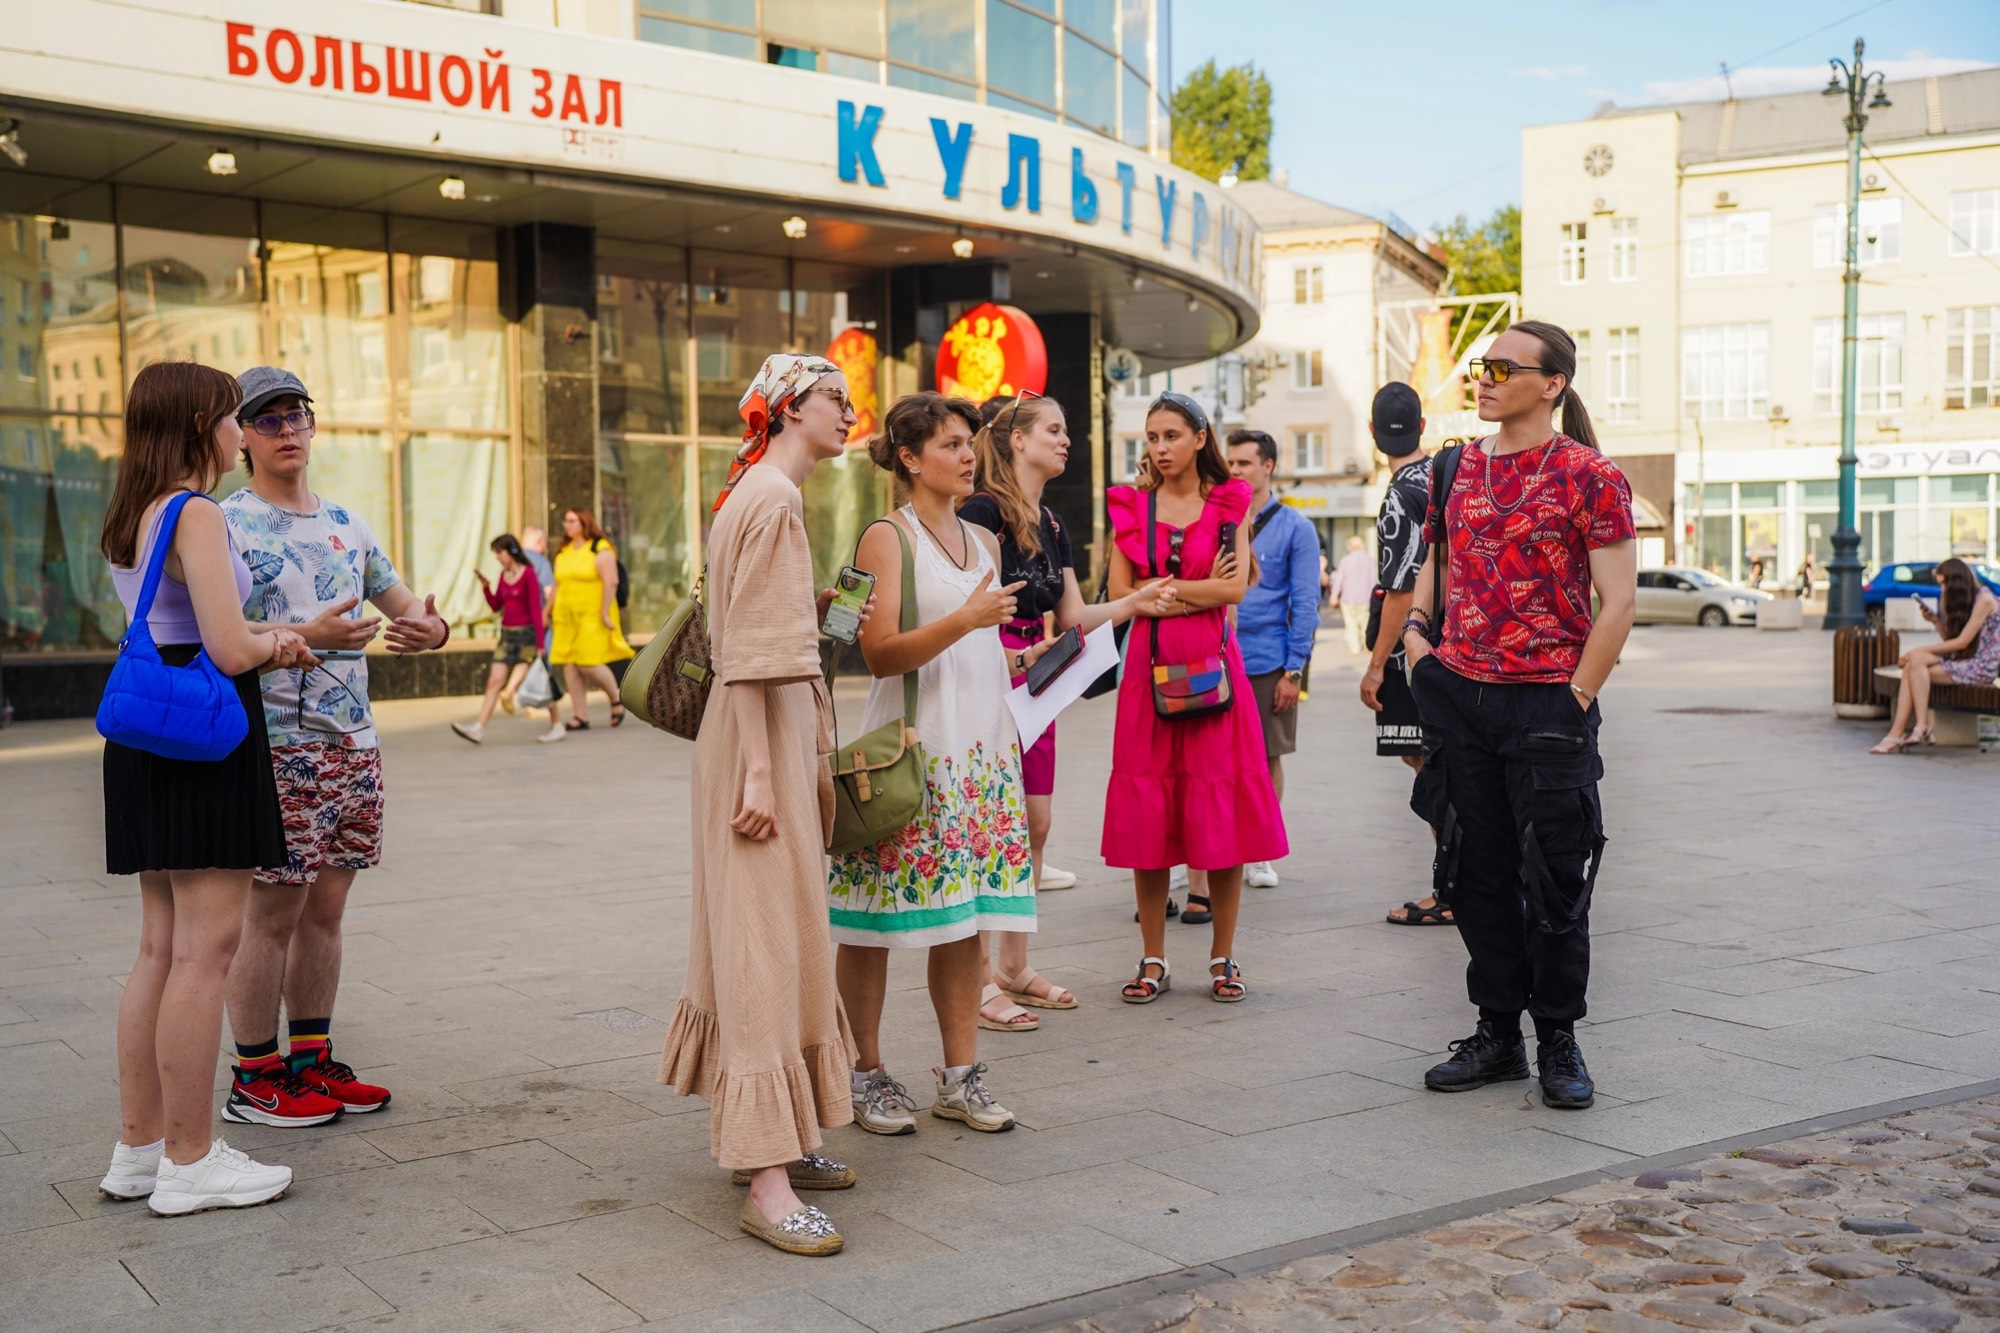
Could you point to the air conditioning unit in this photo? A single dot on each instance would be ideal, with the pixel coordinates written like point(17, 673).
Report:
point(1604, 204)
point(1778, 413)
point(1726, 199)
point(1890, 421)
point(1871, 183)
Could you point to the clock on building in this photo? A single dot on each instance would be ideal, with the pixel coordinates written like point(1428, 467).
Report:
point(1597, 159)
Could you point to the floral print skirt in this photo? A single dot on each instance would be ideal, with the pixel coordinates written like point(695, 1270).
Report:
point(962, 867)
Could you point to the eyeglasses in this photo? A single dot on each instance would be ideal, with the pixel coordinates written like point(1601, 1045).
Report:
point(840, 399)
point(1501, 370)
point(1015, 411)
point(274, 423)
point(311, 719)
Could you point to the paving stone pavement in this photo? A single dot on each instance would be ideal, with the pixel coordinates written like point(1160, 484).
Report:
point(1891, 1225)
point(1786, 927)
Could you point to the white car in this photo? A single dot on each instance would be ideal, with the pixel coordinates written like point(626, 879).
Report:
point(1682, 596)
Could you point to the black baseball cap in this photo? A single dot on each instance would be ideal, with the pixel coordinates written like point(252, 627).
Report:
point(1398, 417)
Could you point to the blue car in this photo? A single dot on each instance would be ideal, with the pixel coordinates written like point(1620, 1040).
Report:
point(1916, 578)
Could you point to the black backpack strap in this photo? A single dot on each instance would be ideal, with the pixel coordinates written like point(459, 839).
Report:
point(1444, 475)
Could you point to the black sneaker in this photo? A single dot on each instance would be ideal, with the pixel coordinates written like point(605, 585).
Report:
point(1566, 1083)
point(1482, 1058)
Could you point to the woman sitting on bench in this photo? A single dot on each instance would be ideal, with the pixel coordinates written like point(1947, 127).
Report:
point(1968, 653)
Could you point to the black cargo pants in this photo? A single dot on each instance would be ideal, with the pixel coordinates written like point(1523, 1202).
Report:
point(1510, 782)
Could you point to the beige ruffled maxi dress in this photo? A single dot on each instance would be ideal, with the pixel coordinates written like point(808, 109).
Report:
point(759, 1031)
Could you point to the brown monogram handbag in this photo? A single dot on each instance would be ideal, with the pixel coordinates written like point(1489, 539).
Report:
point(667, 683)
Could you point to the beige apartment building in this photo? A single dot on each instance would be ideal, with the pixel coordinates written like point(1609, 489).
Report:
point(1696, 252)
point(1310, 374)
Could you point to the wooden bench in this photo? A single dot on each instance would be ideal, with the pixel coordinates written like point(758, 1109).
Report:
point(1957, 708)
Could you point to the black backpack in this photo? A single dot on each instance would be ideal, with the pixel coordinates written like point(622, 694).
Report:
point(624, 592)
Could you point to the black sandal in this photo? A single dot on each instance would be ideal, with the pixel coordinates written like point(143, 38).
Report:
point(1413, 915)
point(617, 715)
point(1197, 916)
point(576, 724)
point(1173, 909)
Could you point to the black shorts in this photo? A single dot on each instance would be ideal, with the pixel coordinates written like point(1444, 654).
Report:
point(517, 646)
point(1397, 731)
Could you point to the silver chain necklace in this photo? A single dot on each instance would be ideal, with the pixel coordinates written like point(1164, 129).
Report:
point(1486, 478)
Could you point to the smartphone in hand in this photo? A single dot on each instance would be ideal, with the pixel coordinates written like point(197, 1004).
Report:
point(1051, 664)
point(851, 590)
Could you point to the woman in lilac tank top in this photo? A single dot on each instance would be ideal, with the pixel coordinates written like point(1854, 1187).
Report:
point(192, 832)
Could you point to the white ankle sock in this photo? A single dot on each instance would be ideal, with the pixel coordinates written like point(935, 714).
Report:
point(157, 1145)
point(955, 1073)
point(856, 1081)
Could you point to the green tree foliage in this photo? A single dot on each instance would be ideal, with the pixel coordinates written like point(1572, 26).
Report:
point(1222, 122)
point(1484, 258)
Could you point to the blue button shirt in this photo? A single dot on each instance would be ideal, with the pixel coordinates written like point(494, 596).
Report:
point(1280, 614)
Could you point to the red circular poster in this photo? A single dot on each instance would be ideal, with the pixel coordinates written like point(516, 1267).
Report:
point(854, 351)
point(992, 351)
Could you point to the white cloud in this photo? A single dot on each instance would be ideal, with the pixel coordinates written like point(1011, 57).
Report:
point(1765, 80)
point(1550, 73)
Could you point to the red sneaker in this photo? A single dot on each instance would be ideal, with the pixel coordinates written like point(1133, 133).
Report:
point(276, 1096)
point(336, 1080)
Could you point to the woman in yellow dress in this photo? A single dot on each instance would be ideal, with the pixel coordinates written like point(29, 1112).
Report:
point(587, 636)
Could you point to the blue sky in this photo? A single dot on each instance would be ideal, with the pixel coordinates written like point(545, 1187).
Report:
point(1417, 108)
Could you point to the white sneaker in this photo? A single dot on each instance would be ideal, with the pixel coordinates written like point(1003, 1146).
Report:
point(1177, 881)
point(132, 1172)
point(1261, 875)
point(969, 1101)
point(472, 731)
point(883, 1105)
point(554, 733)
point(1056, 879)
point(225, 1178)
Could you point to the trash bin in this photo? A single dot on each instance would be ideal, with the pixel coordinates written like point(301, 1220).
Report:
point(1857, 651)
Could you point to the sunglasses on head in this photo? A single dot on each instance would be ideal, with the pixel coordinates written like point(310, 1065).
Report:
point(1174, 540)
point(1014, 410)
point(1501, 369)
point(274, 423)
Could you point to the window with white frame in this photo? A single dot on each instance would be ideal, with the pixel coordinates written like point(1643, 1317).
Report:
point(1135, 387)
point(1308, 451)
point(1878, 364)
point(1624, 249)
point(1581, 380)
point(1572, 262)
point(1975, 222)
point(1972, 357)
point(1880, 242)
point(1131, 448)
point(1719, 244)
point(1308, 369)
point(1620, 399)
point(1308, 284)
point(1726, 372)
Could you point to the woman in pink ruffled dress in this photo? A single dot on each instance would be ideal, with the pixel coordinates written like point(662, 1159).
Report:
point(1192, 790)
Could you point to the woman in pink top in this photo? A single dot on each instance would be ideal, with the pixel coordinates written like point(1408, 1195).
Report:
point(518, 599)
point(1193, 791)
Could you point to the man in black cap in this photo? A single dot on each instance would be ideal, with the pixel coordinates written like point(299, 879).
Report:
point(1397, 423)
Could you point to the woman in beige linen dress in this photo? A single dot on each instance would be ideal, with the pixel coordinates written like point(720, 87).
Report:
point(759, 1031)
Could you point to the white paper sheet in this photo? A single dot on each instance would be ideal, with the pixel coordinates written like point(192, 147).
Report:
point(1034, 713)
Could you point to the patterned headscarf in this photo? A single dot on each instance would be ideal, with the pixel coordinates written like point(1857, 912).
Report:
point(780, 379)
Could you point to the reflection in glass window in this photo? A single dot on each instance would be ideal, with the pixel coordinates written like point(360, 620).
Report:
point(1015, 104)
point(934, 35)
point(55, 481)
point(334, 336)
point(643, 486)
point(1090, 85)
point(1095, 19)
point(721, 42)
point(182, 291)
point(457, 341)
point(1133, 127)
point(458, 489)
point(640, 384)
point(901, 77)
point(1020, 53)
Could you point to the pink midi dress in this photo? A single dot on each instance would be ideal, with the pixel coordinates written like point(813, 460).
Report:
point(1194, 792)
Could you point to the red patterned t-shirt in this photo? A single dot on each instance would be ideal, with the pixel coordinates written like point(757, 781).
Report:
point(1522, 527)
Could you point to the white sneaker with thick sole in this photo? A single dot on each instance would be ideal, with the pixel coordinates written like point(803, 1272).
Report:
point(1177, 880)
point(552, 735)
point(471, 731)
point(1053, 878)
point(883, 1105)
point(133, 1171)
point(225, 1178)
point(969, 1101)
point(1261, 875)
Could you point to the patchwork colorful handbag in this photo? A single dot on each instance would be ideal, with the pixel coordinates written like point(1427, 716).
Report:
point(1183, 690)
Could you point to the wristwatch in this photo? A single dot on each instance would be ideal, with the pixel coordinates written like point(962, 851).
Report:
point(1296, 677)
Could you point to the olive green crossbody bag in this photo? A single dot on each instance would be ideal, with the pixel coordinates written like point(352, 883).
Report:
point(879, 779)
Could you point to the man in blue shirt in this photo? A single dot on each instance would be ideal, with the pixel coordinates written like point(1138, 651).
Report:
point(1279, 616)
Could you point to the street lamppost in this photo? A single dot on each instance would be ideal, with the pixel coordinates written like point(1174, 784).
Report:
point(1843, 595)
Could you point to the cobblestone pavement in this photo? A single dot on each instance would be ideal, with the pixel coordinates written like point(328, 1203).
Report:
point(1892, 1225)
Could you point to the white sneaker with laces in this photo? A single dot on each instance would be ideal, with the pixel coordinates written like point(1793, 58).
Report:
point(471, 731)
point(883, 1105)
point(969, 1101)
point(133, 1171)
point(1053, 878)
point(225, 1178)
point(553, 734)
point(1177, 880)
point(1261, 875)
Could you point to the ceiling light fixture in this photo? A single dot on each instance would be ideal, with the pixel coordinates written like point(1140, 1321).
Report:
point(795, 228)
point(1194, 306)
point(452, 187)
point(222, 162)
point(1138, 283)
point(10, 141)
point(962, 247)
point(58, 229)
point(906, 249)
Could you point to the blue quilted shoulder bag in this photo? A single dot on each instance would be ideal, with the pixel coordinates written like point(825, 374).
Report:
point(191, 712)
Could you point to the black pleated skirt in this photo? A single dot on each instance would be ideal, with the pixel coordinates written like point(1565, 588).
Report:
point(178, 814)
